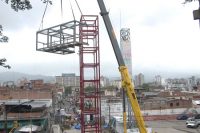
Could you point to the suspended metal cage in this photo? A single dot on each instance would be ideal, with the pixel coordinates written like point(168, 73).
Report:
point(59, 39)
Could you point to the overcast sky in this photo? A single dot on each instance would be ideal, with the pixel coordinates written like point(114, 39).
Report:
point(164, 36)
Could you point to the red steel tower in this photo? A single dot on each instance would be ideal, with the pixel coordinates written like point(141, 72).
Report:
point(90, 103)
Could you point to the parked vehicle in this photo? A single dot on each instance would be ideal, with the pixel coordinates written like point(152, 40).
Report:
point(197, 118)
point(194, 118)
point(29, 128)
point(182, 117)
point(136, 130)
point(189, 119)
point(192, 124)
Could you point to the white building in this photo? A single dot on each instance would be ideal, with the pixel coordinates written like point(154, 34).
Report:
point(158, 80)
point(176, 84)
point(139, 79)
point(68, 79)
point(104, 81)
point(117, 83)
point(110, 93)
point(192, 83)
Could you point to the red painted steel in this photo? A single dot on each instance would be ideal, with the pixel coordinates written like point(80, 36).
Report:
point(90, 74)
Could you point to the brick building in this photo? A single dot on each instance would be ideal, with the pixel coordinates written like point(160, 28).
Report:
point(165, 103)
point(179, 103)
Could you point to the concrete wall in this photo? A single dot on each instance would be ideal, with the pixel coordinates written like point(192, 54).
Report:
point(26, 94)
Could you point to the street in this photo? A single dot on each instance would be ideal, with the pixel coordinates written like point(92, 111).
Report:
point(161, 126)
point(172, 126)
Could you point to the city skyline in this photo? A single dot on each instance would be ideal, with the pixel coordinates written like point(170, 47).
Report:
point(16, 76)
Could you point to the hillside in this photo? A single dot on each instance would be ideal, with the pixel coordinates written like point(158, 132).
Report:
point(15, 76)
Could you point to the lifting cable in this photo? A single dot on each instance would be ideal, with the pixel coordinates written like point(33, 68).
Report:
point(78, 7)
point(72, 9)
point(41, 24)
point(61, 7)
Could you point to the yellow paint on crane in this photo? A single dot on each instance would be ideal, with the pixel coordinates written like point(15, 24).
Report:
point(124, 120)
point(127, 84)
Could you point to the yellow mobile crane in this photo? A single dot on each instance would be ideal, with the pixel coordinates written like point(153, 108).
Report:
point(127, 84)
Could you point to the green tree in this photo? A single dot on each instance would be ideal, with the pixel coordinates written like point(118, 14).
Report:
point(17, 5)
point(90, 89)
point(2, 37)
point(68, 90)
point(2, 63)
point(109, 88)
point(145, 86)
point(190, 1)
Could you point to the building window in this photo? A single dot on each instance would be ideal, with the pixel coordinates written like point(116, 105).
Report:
point(177, 104)
point(118, 108)
point(171, 104)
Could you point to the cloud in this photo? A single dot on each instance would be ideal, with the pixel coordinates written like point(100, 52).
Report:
point(13, 21)
point(164, 36)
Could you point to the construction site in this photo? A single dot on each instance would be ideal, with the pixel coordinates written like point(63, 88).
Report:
point(82, 112)
point(84, 35)
point(81, 36)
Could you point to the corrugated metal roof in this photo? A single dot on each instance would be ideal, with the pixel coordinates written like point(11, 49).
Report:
point(34, 103)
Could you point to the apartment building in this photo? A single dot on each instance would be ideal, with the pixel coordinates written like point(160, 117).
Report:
point(104, 81)
point(158, 80)
point(139, 79)
point(68, 80)
point(116, 83)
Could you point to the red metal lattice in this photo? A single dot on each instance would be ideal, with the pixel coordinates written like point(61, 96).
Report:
point(90, 74)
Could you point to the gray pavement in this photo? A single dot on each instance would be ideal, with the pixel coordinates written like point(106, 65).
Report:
point(72, 131)
point(173, 126)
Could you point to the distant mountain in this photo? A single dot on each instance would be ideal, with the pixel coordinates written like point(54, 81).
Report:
point(149, 76)
point(16, 76)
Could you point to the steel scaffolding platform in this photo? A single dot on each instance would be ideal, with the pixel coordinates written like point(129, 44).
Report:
point(59, 39)
point(90, 75)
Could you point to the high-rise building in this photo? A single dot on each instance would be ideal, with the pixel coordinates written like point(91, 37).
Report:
point(192, 81)
point(139, 79)
point(158, 80)
point(125, 44)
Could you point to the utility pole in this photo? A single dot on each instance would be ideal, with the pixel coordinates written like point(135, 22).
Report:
point(5, 116)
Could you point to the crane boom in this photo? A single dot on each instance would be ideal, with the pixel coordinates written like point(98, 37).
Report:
point(126, 80)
